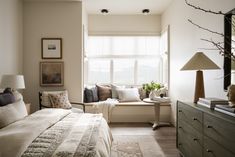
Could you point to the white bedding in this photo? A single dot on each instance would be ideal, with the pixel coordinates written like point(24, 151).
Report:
point(21, 138)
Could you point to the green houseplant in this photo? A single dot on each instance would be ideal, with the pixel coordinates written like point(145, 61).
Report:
point(148, 87)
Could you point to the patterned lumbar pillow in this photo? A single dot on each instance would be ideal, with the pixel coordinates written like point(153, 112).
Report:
point(60, 100)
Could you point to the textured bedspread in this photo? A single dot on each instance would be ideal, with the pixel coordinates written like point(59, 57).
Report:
point(67, 135)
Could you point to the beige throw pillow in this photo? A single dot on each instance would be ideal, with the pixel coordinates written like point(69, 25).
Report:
point(60, 100)
point(104, 92)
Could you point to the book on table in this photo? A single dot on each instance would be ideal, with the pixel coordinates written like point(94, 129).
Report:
point(226, 109)
point(211, 102)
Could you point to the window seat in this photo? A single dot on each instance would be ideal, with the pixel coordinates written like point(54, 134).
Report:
point(138, 111)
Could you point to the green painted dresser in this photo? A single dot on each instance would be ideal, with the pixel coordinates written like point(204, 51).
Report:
point(202, 132)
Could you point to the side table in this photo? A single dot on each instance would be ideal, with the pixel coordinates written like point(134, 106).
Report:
point(28, 106)
point(157, 104)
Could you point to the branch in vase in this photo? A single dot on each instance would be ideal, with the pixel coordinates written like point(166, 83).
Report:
point(204, 10)
point(206, 29)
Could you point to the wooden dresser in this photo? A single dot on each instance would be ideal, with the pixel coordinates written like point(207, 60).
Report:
point(202, 132)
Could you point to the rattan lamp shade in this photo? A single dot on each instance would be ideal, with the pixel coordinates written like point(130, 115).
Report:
point(199, 62)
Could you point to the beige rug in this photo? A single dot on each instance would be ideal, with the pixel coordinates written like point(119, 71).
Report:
point(135, 146)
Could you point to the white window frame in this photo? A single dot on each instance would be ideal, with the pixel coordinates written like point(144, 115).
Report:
point(135, 57)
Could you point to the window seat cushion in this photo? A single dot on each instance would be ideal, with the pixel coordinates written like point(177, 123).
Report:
point(136, 103)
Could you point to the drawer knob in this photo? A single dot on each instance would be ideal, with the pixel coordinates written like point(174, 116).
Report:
point(208, 150)
point(194, 118)
point(195, 139)
point(180, 127)
point(209, 126)
point(180, 110)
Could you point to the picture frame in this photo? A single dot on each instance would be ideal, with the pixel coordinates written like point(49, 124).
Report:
point(51, 74)
point(51, 48)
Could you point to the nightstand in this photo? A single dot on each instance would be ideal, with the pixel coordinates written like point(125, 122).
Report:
point(28, 106)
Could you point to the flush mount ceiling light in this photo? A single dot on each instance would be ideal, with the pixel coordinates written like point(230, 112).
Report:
point(104, 11)
point(145, 11)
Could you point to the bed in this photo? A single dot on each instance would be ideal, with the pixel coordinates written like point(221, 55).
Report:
point(57, 133)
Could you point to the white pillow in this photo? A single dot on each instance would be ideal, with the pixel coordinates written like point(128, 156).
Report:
point(114, 89)
point(128, 94)
point(12, 112)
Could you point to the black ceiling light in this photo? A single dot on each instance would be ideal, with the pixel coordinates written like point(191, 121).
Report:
point(145, 11)
point(104, 11)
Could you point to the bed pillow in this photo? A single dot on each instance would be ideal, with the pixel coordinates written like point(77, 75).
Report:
point(60, 100)
point(6, 98)
point(12, 113)
point(114, 90)
point(128, 95)
point(104, 92)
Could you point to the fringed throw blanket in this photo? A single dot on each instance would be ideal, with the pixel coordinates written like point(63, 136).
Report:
point(74, 135)
point(105, 107)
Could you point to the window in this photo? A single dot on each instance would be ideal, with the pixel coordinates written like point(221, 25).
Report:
point(129, 60)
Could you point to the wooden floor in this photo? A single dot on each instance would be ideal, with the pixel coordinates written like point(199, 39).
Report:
point(164, 136)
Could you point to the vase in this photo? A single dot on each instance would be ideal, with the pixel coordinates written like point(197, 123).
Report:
point(151, 95)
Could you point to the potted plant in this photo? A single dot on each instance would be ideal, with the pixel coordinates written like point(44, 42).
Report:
point(154, 89)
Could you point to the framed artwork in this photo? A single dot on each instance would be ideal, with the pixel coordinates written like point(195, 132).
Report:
point(51, 48)
point(51, 74)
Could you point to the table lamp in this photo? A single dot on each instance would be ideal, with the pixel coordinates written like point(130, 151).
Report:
point(199, 62)
point(13, 82)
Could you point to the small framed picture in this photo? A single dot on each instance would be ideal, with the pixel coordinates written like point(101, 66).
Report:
point(51, 48)
point(51, 74)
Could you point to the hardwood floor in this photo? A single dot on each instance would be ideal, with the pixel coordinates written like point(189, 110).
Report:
point(165, 137)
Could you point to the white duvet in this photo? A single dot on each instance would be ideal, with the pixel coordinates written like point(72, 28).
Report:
point(74, 135)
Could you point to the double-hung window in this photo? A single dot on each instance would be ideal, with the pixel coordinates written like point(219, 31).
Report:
point(128, 60)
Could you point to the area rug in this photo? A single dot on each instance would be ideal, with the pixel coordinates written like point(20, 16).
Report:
point(135, 146)
point(126, 149)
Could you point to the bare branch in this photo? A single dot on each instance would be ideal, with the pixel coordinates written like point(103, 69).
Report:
point(207, 11)
point(206, 29)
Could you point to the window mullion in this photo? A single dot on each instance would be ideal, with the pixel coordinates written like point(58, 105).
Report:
point(111, 70)
point(135, 72)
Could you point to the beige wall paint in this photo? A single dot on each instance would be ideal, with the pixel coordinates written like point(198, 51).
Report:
point(124, 24)
point(53, 19)
point(185, 42)
point(11, 29)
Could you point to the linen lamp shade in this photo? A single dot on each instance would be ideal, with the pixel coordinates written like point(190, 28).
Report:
point(199, 62)
point(13, 81)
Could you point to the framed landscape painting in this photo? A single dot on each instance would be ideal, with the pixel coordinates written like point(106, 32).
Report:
point(51, 74)
point(51, 48)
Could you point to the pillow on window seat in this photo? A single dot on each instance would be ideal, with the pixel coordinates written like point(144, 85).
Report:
point(114, 90)
point(90, 95)
point(128, 95)
point(104, 92)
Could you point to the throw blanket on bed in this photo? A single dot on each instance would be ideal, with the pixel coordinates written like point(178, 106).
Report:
point(60, 133)
point(105, 107)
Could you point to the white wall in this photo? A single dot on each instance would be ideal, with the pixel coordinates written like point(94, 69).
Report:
point(11, 37)
point(124, 24)
point(185, 42)
point(53, 19)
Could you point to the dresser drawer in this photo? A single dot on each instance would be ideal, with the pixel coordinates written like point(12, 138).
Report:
point(212, 149)
point(189, 139)
point(220, 130)
point(190, 115)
